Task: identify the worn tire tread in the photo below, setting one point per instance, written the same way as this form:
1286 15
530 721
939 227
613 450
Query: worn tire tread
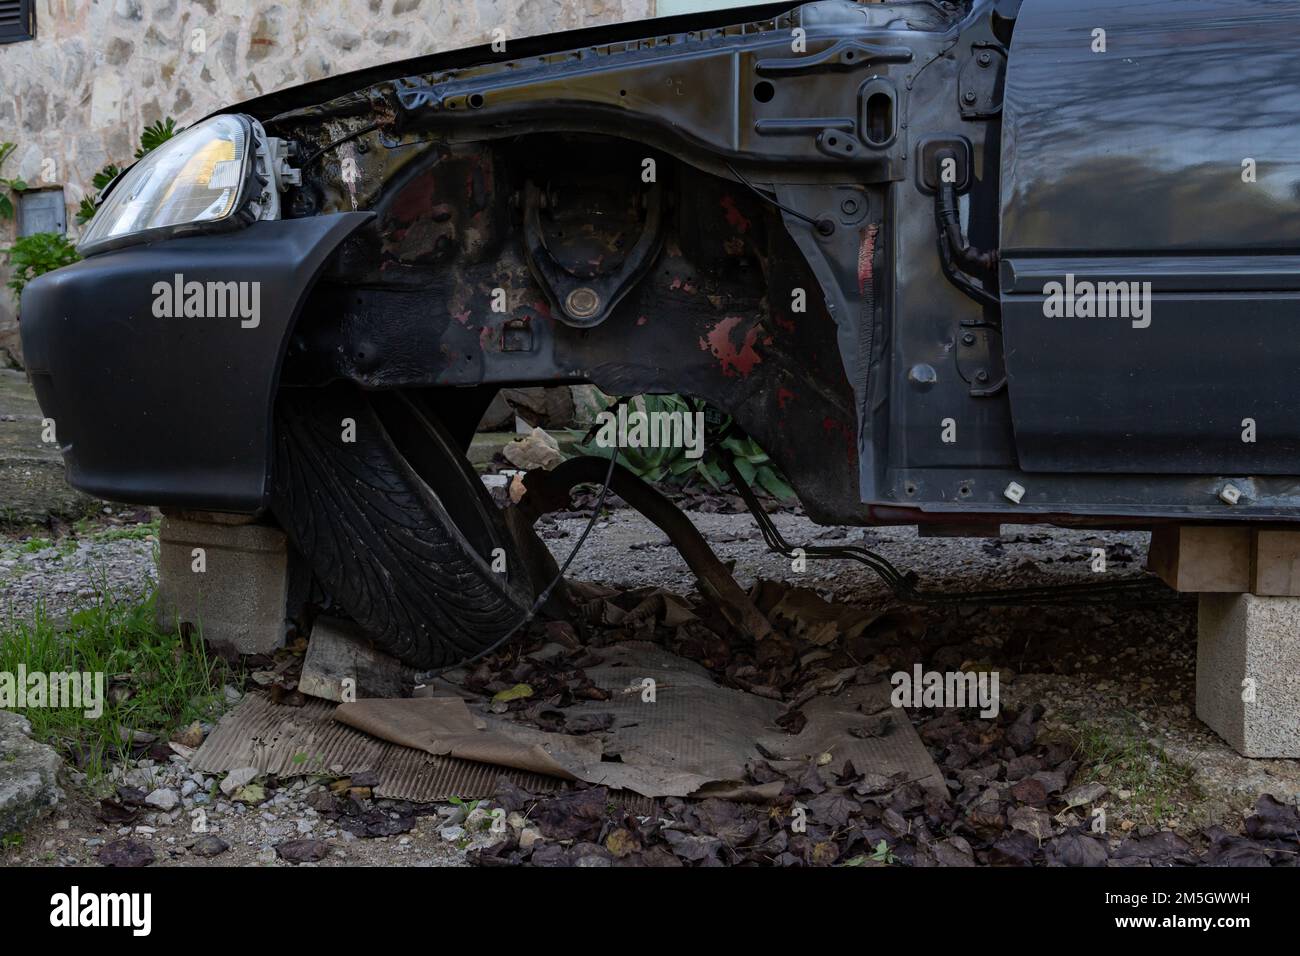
377 537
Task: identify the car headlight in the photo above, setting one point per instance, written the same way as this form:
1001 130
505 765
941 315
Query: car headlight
215 175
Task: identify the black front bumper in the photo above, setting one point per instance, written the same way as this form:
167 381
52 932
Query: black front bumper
172 410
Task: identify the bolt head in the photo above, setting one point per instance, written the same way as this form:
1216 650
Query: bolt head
582 303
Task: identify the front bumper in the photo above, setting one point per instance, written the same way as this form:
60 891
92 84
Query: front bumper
159 410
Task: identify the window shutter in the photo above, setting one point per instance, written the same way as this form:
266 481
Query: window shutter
17 20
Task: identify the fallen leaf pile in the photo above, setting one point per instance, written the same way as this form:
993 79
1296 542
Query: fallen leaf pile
1016 797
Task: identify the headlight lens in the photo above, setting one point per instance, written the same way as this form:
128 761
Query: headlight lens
201 176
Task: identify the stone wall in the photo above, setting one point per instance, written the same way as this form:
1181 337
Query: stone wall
78 96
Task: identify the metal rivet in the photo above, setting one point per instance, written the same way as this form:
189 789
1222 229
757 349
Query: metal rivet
969 96
1230 494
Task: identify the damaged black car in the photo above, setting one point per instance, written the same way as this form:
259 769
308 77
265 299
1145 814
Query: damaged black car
949 263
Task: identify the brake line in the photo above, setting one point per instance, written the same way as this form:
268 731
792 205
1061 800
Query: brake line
545 596
904 584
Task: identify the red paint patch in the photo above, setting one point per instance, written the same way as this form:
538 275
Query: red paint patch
734 360
642 320
866 257
830 426
461 317
783 395
415 201
735 218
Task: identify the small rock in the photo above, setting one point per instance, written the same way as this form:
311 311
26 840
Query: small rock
1084 794
191 736
209 846
303 851
237 779
535 450
163 799
29 786
125 853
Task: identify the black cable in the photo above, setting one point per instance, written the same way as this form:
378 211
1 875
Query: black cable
546 593
948 217
904 584
339 142
823 226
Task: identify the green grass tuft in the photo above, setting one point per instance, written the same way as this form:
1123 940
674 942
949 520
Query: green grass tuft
1119 755
154 681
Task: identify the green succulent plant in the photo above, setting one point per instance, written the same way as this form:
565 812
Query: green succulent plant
672 465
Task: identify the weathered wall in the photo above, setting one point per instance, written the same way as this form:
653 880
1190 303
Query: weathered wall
77 96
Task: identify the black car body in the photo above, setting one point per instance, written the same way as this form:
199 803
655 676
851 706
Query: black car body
937 184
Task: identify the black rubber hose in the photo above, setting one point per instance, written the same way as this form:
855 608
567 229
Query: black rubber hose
948 217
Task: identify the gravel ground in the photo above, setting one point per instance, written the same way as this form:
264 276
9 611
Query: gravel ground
56 575
1129 669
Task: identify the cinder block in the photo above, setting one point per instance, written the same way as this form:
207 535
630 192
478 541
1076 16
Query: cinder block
1201 558
1248 672
338 651
238 598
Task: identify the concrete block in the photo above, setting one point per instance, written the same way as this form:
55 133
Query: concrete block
1201 559
1248 672
337 652
1275 563
234 591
